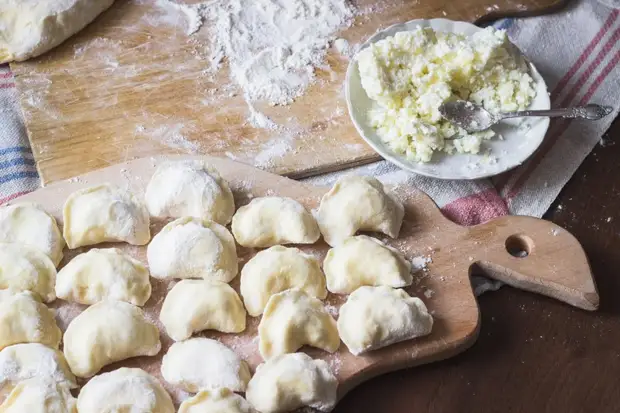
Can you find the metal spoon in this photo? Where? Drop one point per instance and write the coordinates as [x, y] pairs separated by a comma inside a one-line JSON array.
[[475, 118]]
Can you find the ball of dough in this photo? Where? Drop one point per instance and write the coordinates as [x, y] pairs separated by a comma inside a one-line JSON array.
[[104, 213], [124, 390], [269, 221], [375, 317], [189, 189], [220, 400], [277, 269], [363, 260], [104, 274], [39, 395], [358, 203], [106, 332], [193, 248], [28, 224], [24, 268], [288, 382], [204, 364], [196, 305], [29, 28], [33, 360], [293, 319], [23, 319]]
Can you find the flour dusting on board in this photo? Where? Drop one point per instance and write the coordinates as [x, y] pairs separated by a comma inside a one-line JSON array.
[[273, 47]]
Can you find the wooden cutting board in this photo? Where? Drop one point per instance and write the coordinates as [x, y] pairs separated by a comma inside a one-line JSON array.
[[132, 84], [555, 266]]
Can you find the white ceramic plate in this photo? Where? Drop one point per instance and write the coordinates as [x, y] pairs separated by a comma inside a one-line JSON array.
[[521, 137]]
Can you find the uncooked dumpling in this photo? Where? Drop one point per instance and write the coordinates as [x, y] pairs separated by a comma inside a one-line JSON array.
[[25, 268], [220, 400], [193, 248], [104, 213], [29, 28], [101, 274], [39, 395], [288, 382], [196, 305], [33, 360], [189, 189], [23, 319], [269, 221], [277, 269], [363, 260], [106, 332], [293, 319], [358, 203], [201, 363], [28, 224], [124, 391], [375, 317]]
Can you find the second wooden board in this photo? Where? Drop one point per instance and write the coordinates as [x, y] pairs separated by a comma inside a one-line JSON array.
[[134, 84], [527, 253]]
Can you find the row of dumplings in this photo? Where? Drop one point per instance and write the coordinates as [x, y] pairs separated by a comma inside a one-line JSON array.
[[283, 283]]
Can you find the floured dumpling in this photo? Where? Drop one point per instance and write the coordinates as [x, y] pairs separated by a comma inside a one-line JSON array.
[[25, 268], [28, 224], [290, 381], [375, 317], [277, 269], [23, 319], [101, 274], [269, 221], [196, 305], [106, 332], [220, 400], [104, 213], [293, 319], [189, 189], [39, 395], [204, 364], [193, 248], [126, 390], [358, 203], [363, 260], [33, 360]]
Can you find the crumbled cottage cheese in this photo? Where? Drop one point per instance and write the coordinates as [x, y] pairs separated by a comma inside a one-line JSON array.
[[409, 75]]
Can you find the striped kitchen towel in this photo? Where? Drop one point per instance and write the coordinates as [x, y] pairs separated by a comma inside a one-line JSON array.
[[18, 174], [577, 52]]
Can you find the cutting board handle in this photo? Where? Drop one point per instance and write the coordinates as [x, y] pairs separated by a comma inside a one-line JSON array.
[[535, 255]]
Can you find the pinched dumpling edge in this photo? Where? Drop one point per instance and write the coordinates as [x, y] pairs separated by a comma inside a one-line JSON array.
[[392, 208], [253, 273], [277, 232], [223, 207], [341, 282]]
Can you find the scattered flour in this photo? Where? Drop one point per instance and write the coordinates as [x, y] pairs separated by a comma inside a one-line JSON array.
[[343, 47], [420, 263], [273, 47], [191, 12]]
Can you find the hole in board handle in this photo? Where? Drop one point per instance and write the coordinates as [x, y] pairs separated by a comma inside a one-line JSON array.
[[519, 246]]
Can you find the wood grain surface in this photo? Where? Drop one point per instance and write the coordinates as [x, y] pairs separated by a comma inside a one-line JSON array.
[[555, 266], [533, 354], [133, 84]]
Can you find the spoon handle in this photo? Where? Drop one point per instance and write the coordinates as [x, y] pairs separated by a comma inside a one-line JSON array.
[[590, 112]]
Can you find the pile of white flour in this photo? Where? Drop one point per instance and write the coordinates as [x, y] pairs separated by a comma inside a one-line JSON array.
[[273, 46]]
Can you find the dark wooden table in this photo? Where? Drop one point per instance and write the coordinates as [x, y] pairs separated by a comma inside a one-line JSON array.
[[534, 354]]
